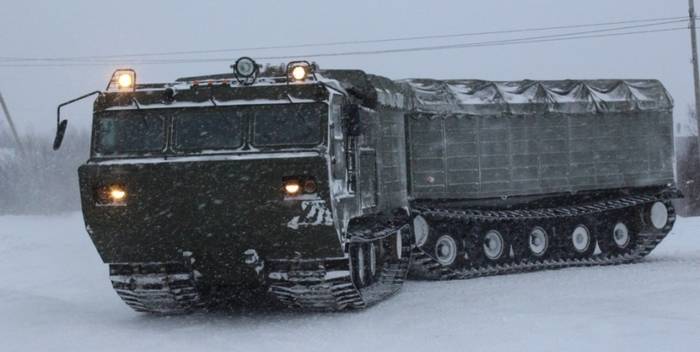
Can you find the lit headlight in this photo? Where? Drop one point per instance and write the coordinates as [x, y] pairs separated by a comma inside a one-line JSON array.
[[296, 186], [117, 194], [123, 80], [114, 195], [292, 187], [299, 73]]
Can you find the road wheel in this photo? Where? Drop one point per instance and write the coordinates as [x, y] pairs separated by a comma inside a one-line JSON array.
[[538, 242], [532, 241], [495, 246], [618, 233], [446, 250], [358, 265], [581, 243], [372, 261]]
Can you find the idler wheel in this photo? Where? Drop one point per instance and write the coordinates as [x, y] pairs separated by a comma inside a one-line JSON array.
[[658, 215], [359, 269]]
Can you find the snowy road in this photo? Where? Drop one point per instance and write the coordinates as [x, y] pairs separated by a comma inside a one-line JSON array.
[[55, 296]]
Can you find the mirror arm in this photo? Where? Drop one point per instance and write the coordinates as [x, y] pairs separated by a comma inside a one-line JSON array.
[[57, 143], [58, 110]]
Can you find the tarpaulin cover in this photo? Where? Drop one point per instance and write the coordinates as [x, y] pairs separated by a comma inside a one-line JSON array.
[[476, 97]]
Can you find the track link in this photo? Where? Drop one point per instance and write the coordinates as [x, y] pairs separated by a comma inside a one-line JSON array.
[[156, 287], [425, 266], [319, 289]]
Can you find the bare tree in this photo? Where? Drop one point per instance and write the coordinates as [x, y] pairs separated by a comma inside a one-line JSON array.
[[41, 180], [688, 168]]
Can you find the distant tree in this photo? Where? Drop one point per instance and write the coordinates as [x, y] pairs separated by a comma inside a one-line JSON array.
[[688, 167], [41, 181], [691, 126]]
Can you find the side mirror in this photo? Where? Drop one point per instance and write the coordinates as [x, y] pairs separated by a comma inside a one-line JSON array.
[[352, 124], [60, 132], [62, 124]]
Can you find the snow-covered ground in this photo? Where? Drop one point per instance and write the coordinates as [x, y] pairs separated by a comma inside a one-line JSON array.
[[55, 296]]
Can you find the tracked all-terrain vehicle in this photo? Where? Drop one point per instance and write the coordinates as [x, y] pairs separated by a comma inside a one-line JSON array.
[[322, 188]]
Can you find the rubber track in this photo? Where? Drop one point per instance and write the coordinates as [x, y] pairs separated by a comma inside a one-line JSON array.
[[155, 288], [424, 266], [315, 290]]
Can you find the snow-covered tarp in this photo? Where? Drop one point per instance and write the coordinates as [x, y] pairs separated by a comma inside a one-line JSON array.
[[503, 139], [477, 97]]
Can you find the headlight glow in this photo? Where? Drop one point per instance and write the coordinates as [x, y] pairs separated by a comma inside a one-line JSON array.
[[111, 195], [299, 73], [117, 194], [292, 187], [125, 81]]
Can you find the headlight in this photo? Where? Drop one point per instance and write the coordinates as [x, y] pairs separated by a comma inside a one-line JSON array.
[[113, 195], [117, 194], [309, 186], [123, 80], [245, 67], [245, 70], [298, 185], [292, 187], [299, 73]]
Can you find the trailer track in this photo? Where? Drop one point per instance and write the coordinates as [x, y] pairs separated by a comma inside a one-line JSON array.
[[425, 266]]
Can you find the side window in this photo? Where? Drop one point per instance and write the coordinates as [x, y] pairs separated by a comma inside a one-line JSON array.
[[337, 141], [368, 178], [337, 111]]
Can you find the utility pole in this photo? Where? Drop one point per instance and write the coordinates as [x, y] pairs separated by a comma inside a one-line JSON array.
[[12, 125], [696, 71]]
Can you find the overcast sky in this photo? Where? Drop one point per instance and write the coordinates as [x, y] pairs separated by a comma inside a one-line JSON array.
[[52, 28]]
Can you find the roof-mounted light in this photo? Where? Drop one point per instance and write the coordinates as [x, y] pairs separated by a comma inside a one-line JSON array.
[[299, 71], [246, 70], [123, 80]]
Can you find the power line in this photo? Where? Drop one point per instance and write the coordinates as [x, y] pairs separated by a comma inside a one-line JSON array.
[[340, 43], [604, 33], [543, 39]]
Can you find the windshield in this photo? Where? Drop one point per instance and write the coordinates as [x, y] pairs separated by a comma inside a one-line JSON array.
[[222, 128], [288, 125], [208, 129], [121, 132]]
